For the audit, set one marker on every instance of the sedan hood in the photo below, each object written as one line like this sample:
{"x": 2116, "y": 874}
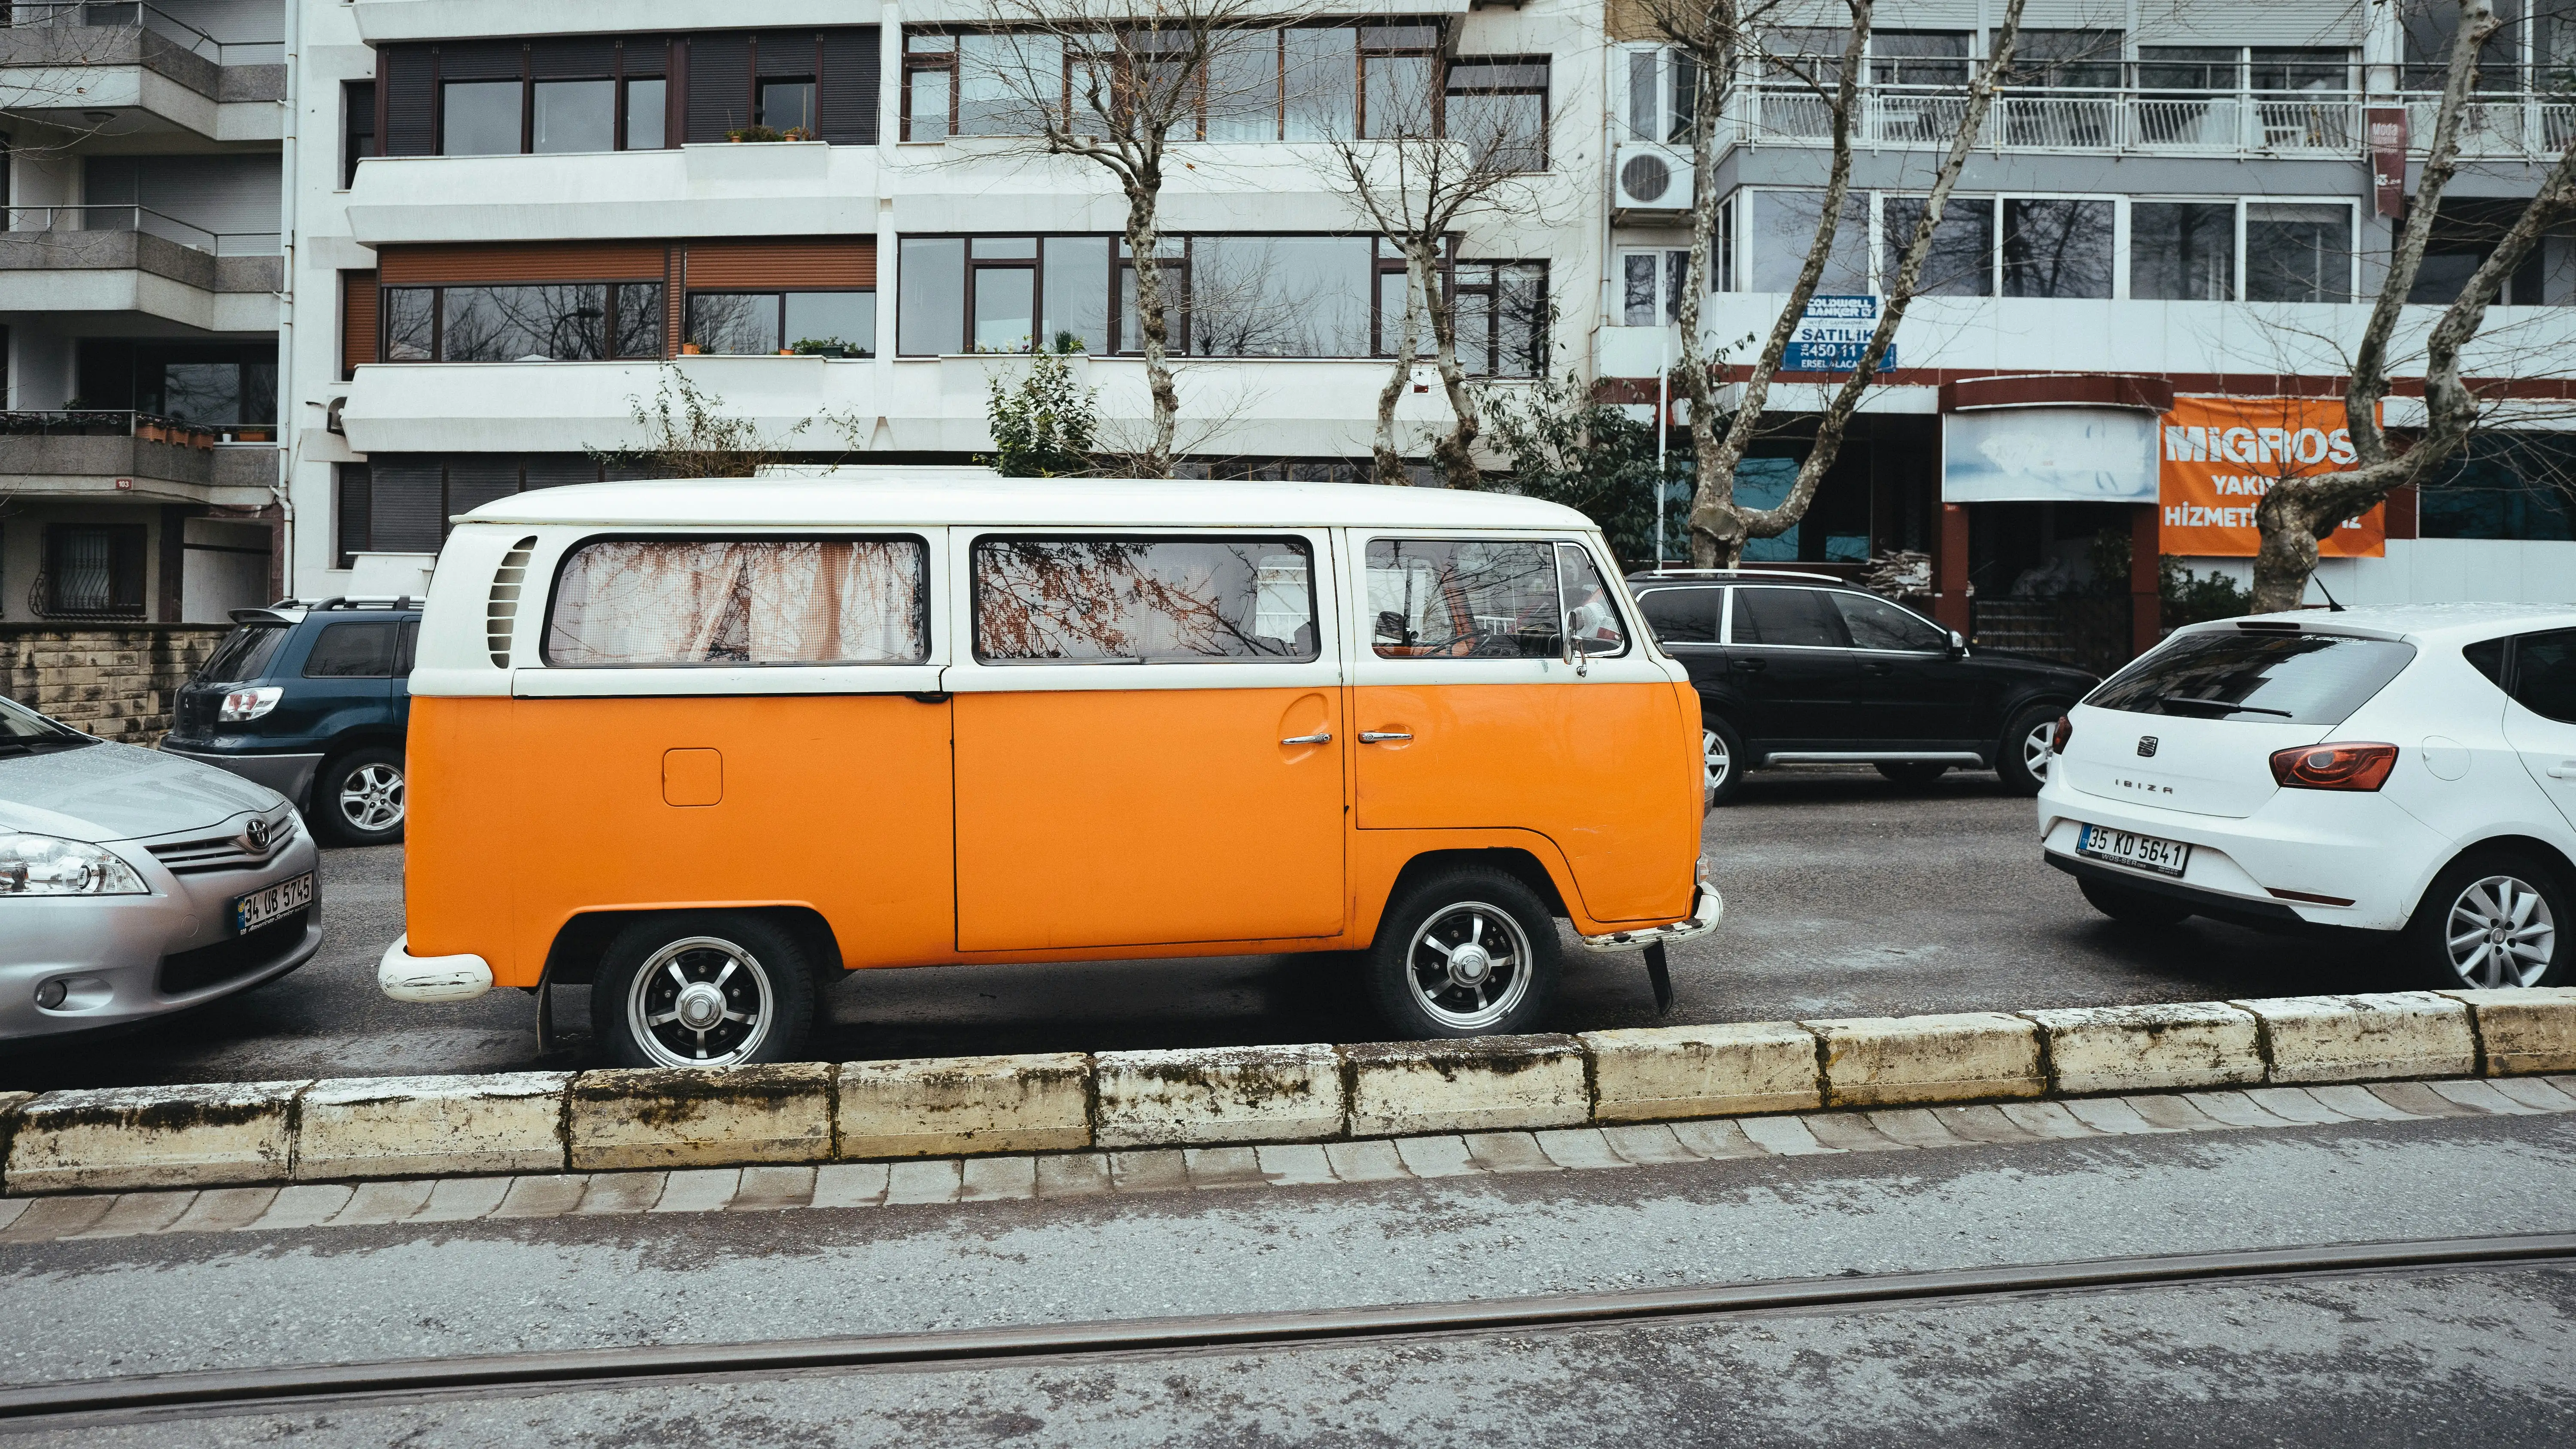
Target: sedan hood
{"x": 116, "y": 792}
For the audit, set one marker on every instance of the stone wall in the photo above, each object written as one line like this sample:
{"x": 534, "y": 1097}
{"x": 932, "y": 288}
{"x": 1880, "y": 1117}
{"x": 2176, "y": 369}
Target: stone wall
{"x": 113, "y": 680}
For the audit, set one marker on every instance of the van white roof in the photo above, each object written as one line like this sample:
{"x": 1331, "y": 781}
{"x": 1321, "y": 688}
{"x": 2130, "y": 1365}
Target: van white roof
{"x": 927, "y": 497}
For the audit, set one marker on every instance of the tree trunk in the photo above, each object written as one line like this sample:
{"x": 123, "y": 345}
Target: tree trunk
{"x": 1714, "y": 485}
{"x": 1388, "y": 462}
{"x": 1153, "y": 322}
{"x": 1456, "y": 450}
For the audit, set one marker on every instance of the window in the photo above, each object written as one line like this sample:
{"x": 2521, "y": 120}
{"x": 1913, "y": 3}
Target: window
{"x": 2298, "y": 253}
{"x": 1784, "y": 227}
{"x": 2086, "y": 59}
{"x": 1591, "y": 616}
{"x": 1961, "y": 262}
{"x": 787, "y": 106}
{"x": 479, "y": 118}
{"x": 2464, "y": 235}
{"x": 929, "y": 84}
{"x": 1499, "y": 312}
{"x": 354, "y": 651}
{"x": 2517, "y": 485}
{"x": 1651, "y": 285}
{"x": 2544, "y": 674}
{"x": 646, "y": 114}
{"x": 2195, "y": 68}
{"x": 590, "y": 93}
{"x": 653, "y": 602}
{"x": 1792, "y": 618}
{"x": 2182, "y": 250}
{"x": 1321, "y": 65}
{"x": 1243, "y": 86}
{"x": 244, "y": 654}
{"x": 2268, "y": 678}
{"x": 1396, "y": 94}
{"x": 539, "y": 322}
{"x": 94, "y": 570}
{"x": 768, "y": 322}
{"x": 1156, "y": 601}
{"x": 357, "y": 128}
{"x": 574, "y": 115}
{"x": 1682, "y": 616}
{"x": 1919, "y": 57}
{"x": 1464, "y": 599}
{"x": 1498, "y": 110}
{"x": 2301, "y": 68}
{"x": 930, "y": 306}
{"x": 219, "y": 385}
{"x": 1663, "y": 92}
{"x": 1878, "y": 624}
{"x": 1279, "y": 296}
{"x": 2057, "y": 248}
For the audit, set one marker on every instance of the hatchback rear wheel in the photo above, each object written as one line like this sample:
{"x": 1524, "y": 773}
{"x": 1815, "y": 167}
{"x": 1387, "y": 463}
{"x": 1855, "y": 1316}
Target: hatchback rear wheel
{"x": 2492, "y": 919}
{"x": 703, "y": 989}
{"x": 1466, "y": 953}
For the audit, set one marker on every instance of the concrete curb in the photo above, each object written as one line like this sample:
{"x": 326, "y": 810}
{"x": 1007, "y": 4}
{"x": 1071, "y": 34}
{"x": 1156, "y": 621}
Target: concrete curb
{"x": 253, "y": 1133}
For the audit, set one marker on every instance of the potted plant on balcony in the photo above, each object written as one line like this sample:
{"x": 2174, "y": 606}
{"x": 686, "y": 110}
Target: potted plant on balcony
{"x": 761, "y": 133}
{"x": 824, "y": 347}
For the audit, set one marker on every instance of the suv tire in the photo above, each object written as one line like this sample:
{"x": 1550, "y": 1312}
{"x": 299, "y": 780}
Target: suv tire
{"x": 2016, "y": 764}
{"x": 361, "y": 798}
{"x": 703, "y": 989}
{"x": 1722, "y": 761}
{"x": 1467, "y": 952}
{"x": 1913, "y": 774}
{"x": 2131, "y": 906}
{"x": 2488, "y": 899}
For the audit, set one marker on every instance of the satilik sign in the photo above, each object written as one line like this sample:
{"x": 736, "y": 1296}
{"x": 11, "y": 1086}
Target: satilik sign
{"x": 1832, "y": 334}
{"x": 2220, "y": 455}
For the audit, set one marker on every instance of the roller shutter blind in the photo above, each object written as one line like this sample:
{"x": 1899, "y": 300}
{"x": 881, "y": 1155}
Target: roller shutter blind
{"x": 727, "y": 265}
{"x": 357, "y": 321}
{"x": 474, "y": 479}
{"x": 846, "y": 106}
{"x": 719, "y": 86}
{"x": 786, "y": 53}
{"x": 410, "y": 101}
{"x": 521, "y": 262}
{"x": 406, "y": 504}
{"x": 556, "y": 470}
{"x": 579, "y": 58}
{"x": 356, "y": 536}
{"x": 481, "y": 60}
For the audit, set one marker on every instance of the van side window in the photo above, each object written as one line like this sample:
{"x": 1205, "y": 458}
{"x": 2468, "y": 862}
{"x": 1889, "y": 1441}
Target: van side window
{"x": 1146, "y": 600}
{"x": 642, "y": 603}
{"x": 1464, "y": 599}
{"x": 1590, "y": 617}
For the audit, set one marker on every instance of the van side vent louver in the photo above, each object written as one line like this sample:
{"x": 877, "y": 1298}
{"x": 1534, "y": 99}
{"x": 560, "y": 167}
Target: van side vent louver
{"x": 502, "y": 615}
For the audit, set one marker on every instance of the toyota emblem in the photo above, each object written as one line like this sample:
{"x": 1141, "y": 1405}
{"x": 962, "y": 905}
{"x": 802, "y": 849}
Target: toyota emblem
{"x": 2146, "y": 747}
{"x": 255, "y": 835}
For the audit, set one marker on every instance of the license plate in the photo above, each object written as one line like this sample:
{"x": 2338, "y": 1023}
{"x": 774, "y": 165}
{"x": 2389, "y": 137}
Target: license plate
{"x": 2144, "y": 852}
{"x": 260, "y": 907}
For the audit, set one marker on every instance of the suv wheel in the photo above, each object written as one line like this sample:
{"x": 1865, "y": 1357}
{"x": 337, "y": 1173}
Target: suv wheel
{"x": 1466, "y": 953}
{"x": 702, "y": 989}
{"x": 1721, "y": 752}
{"x": 2493, "y": 918}
{"x": 1912, "y": 774}
{"x": 2022, "y": 761}
{"x": 359, "y": 797}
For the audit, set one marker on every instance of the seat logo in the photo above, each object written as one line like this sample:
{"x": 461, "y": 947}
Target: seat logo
{"x": 2146, "y": 747}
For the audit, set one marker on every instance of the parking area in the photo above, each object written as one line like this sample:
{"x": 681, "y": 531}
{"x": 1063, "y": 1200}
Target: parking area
{"x": 1846, "y": 896}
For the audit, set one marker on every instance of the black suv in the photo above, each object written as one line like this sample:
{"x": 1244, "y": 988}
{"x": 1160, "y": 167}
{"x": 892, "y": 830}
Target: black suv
{"x": 311, "y": 700}
{"x": 1804, "y": 669}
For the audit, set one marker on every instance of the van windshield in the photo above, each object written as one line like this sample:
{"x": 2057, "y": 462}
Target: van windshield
{"x": 2276, "y": 678}
{"x": 244, "y": 654}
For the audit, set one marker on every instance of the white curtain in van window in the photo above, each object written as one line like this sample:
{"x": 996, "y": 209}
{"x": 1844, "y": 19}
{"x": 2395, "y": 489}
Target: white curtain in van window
{"x": 641, "y": 602}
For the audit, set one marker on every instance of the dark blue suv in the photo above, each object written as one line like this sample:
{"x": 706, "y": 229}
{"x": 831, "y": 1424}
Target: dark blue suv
{"x": 311, "y": 700}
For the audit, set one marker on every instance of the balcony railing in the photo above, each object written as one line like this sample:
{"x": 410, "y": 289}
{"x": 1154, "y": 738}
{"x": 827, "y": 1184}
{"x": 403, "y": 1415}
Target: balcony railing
{"x": 130, "y": 15}
{"x": 143, "y": 219}
{"x": 2267, "y": 123}
{"x": 126, "y": 423}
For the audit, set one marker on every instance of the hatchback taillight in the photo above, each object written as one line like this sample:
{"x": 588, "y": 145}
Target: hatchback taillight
{"x": 2334, "y": 767}
{"x": 2064, "y": 731}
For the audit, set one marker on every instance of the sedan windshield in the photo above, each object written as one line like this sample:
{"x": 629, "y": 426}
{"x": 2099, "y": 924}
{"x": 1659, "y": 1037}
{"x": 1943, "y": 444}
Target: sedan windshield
{"x": 25, "y": 732}
{"x": 2276, "y": 678}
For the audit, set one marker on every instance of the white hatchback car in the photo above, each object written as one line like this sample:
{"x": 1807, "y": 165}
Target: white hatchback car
{"x": 2407, "y": 769}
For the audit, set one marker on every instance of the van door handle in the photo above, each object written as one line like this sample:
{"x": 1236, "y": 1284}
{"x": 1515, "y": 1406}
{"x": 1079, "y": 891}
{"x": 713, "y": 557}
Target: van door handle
{"x": 1379, "y": 737}
{"x": 1322, "y": 739}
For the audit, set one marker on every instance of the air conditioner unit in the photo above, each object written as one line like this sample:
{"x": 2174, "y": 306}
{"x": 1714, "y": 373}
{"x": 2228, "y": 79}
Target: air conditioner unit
{"x": 1652, "y": 178}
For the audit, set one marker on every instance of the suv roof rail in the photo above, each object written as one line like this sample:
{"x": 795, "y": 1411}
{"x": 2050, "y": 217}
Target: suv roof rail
{"x": 1756, "y": 575}
{"x": 350, "y": 601}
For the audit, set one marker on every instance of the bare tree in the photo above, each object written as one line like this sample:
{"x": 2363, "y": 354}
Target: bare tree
{"x": 686, "y": 432}
{"x": 2296, "y": 511}
{"x": 1717, "y": 38}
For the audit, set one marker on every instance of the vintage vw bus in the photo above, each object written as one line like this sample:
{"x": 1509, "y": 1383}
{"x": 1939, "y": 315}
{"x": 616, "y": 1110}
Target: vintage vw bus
{"x": 700, "y": 744}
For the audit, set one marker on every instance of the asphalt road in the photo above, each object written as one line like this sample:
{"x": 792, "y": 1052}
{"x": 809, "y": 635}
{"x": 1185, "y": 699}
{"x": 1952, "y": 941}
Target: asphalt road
{"x": 1846, "y": 896}
{"x": 2463, "y": 1354}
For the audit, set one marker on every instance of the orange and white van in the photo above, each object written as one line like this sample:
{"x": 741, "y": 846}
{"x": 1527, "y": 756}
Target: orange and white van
{"x": 700, "y": 744}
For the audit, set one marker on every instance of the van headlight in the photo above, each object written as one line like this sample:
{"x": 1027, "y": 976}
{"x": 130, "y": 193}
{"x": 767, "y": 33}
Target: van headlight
{"x": 48, "y": 865}
{"x": 244, "y": 704}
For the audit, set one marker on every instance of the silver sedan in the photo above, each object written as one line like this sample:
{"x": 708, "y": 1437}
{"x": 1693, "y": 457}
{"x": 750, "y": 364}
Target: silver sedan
{"x": 134, "y": 884}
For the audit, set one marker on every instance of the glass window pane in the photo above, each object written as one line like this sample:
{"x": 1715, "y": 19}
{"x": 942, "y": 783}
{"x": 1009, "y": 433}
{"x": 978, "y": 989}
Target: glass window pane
{"x": 1644, "y": 97}
{"x": 639, "y": 319}
{"x": 2187, "y": 67}
{"x": 2057, "y": 248}
{"x": 927, "y": 119}
{"x": 734, "y": 322}
{"x": 1471, "y": 323}
{"x": 1501, "y": 132}
{"x": 644, "y": 115}
{"x": 2298, "y": 253}
{"x": 1131, "y": 323}
{"x": 1392, "y": 295}
{"x": 848, "y": 318}
{"x": 2182, "y": 250}
{"x": 479, "y": 118}
{"x": 788, "y": 106}
{"x": 409, "y": 323}
{"x": 1961, "y": 262}
{"x": 1005, "y": 248}
{"x": 1784, "y": 230}
{"x": 796, "y": 601}
{"x": 1397, "y": 95}
{"x": 1005, "y": 308}
{"x": 559, "y": 323}
{"x": 576, "y": 115}
{"x": 2264, "y": 678}
{"x": 1520, "y": 319}
{"x": 1682, "y": 616}
{"x": 1919, "y": 57}
{"x": 1765, "y": 483}
{"x": 999, "y": 76}
{"x": 1591, "y": 617}
{"x": 1243, "y": 87}
{"x": 201, "y": 392}
{"x": 1637, "y": 290}
{"x": 930, "y": 306}
{"x": 1878, "y": 624}
{"x": 1323, "y": 82}
{"x": 1280, "y": 296}
{"x": 1449, "y": 599}
{"x": 2544, "y": 674}
{"x": 1175, "y": 601}
{"x": 353, "y": 651}
{"x": 1799, "y": 618}
{"x": 1076, "y": 286}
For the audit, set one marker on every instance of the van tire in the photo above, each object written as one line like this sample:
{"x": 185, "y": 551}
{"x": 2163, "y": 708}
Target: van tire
{"x": 771, "y": 980}
{"x": 1472, "y": 906}
{"x": 352, "y": 792}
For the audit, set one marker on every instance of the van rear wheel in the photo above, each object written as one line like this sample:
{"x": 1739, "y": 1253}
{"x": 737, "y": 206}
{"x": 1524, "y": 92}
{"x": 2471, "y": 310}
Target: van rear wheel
{"x": 1468, "y": 952}
{"x": 702, "y": 989}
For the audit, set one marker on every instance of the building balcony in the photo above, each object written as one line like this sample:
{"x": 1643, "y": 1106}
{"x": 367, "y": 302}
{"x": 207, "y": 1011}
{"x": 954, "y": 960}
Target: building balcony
{"x": 782, "y": 188}
{"x": 56, "y": 259}
{"x": 129, "y": 69}
{"x": 127, "y": 456}
{"x": 1253, "y": 406}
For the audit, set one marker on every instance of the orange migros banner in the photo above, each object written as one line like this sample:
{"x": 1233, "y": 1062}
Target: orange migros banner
{"x": 2221, "y": 454}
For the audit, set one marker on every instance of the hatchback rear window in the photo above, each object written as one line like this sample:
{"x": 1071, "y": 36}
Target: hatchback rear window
{"x": 2280, "y": 678}
{"x": 245, "y": 653}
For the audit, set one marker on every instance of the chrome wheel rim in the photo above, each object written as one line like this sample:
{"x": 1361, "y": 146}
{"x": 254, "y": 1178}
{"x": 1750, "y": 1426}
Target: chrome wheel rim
{"x": 2501, "y": 933}
{"x": 700, "y": 1002}
{"x": 1469, "y": 965}
{"x": 2035, "y": 751}
{"x": 371, "y": 797}
{"x": 1715, "y": 760}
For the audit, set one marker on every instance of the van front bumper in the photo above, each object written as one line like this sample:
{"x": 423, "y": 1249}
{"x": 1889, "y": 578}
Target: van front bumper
{"x": 1707, "y": 909}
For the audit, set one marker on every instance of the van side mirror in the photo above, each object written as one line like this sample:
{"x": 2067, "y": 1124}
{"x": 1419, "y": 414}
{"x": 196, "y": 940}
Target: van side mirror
{"x": 1958, "y": 645}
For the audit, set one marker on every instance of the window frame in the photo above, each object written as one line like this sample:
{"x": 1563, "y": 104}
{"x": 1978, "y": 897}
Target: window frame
{"x": 1317, "y": 550}
{"x": 1364, "y": 647}
{"x": 128, "y": 548}
{"x": 618, "y": 76}
{"x": 1731, "y": 642}
{"x": 689, "y": 295}
{"x": 608, "y": 320}
{"x": 930, "y": 549}
{"x": 1544, "y": 90}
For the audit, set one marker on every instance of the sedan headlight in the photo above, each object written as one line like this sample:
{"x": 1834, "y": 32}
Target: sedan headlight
{"x": 244, "y": 704}
{"x": 48, "y": 865}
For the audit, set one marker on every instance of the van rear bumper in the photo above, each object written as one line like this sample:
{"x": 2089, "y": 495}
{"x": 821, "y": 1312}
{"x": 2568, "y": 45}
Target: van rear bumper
{"x": 1707, "y": 909}
{"x": 406, "y": 977}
